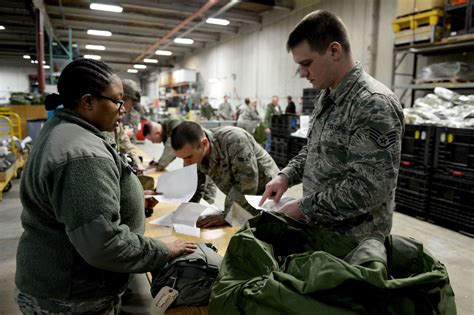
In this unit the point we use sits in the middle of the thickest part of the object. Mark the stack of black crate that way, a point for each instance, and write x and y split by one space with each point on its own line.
452 188
295 144
282 127
309 97
414 179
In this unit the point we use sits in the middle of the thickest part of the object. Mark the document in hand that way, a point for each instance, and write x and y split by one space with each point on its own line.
183 219
269 204
177 186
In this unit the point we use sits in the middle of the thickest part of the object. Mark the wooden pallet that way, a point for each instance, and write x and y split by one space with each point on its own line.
458 38
414 21
424 34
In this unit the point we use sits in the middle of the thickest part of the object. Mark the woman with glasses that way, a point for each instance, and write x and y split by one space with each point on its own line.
83 207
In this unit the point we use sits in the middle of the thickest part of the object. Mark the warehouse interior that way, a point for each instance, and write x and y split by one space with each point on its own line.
182 53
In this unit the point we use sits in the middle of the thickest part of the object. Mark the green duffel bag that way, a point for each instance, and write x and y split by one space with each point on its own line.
276 265
192 275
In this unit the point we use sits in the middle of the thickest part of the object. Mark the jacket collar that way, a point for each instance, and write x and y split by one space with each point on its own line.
346 84
73 117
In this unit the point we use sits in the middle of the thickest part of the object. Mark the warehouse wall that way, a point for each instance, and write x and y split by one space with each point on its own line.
262 67
14 79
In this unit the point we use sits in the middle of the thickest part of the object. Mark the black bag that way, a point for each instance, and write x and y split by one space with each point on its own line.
192 275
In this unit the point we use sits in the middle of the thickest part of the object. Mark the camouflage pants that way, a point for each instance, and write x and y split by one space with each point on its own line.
32 306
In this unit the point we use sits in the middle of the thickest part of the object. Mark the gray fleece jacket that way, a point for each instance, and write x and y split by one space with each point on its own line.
83 216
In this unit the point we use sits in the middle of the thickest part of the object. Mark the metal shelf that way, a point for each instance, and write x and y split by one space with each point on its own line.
441 48
430 86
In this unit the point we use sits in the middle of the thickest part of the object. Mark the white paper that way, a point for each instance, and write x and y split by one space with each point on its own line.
269 204
188 213
184 218
187 230
177 186
166 220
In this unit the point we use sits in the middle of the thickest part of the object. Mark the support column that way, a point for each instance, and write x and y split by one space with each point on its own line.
40 50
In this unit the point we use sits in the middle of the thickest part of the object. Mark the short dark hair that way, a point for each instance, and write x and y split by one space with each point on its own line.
81 76
247 101
319 29
147 128
289 98
188 132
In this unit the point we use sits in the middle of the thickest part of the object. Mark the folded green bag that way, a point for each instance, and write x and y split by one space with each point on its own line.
276 265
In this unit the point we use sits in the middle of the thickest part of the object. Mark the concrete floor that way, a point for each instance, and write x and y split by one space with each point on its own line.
453 249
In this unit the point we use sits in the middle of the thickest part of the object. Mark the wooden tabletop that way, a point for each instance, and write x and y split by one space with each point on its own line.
218 236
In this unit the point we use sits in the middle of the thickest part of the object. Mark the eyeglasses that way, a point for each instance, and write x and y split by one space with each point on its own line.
119 103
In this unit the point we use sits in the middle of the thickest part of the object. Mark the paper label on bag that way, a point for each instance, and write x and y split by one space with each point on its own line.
163 300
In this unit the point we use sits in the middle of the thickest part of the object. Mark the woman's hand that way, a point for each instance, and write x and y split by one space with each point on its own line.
181 247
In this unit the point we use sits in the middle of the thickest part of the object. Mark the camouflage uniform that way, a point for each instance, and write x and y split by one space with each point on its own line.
121 142
248 119
225 111
168 153
238 165
350 166
133 119
269 112
207 111
30 305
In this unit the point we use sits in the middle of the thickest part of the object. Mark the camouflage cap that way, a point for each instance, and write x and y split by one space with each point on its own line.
131 90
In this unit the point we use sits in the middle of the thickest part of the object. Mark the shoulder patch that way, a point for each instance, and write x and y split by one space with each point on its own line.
382 140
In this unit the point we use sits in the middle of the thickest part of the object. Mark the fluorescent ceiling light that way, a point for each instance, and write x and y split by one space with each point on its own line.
185 41
150 60
139 66
32 61
217 21
132 71
99 33
163 52
46 66
95 47
2 27
95 57
26 57
106 7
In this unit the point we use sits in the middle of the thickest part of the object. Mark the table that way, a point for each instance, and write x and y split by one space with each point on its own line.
218 236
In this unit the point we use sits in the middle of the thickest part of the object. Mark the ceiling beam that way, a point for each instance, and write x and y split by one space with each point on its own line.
133 18
126 30
188 9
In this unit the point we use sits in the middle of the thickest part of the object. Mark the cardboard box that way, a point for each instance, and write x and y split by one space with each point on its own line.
425 5
405 7
165 78
184 75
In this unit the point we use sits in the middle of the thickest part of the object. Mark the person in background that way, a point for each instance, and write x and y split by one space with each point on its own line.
249 117
207 112
225 110
273 108
160 132
118 136
83 215
237 164
290 108
241 108
131 119
350 165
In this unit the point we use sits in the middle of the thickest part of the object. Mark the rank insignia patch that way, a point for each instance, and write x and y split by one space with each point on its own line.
382 140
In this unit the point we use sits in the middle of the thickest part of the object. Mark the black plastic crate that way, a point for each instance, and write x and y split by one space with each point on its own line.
418 146
310 92
451 202
284 125
280 159
455 151
457 19
295 144
412 193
